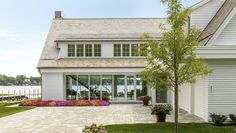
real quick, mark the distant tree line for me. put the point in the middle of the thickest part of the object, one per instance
(19, 80)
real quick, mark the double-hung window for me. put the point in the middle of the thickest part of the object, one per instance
(88, 50)
(71, 50)
(80, 50)
(134, 50)
(97, 50)
(125, 50)
(117, 50)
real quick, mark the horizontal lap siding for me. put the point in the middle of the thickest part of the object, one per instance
(201, 16)
(222, 87)
(227, 37)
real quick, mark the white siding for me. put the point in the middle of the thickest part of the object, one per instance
(199, 97)
(106, 49)
(227, 36)
(222, 87)
(201, 16)
(193, 97)
(52, 86)
(184, 97)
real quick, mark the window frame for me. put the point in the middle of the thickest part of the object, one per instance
(88, 50)
(126, 50)
(97, 51)
(117, 52)
(77, 52)
(71, 52)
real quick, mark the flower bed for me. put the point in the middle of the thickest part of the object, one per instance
(65, 103)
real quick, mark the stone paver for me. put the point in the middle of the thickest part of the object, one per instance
(73, 119)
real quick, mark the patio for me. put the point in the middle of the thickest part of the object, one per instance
(73, 119)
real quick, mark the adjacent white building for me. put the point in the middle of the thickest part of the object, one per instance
(99, 59)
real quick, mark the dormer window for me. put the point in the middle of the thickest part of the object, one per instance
(71, 50)
(88, 50)
(80, 50)
(97, 50)
(84, 50)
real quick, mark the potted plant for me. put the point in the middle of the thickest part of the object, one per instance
(160, 110)
(145, 100)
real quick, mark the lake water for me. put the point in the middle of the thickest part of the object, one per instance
(29, 91)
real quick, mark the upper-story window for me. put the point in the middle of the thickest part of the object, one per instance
(117, 50)
(126, 50)
(88, 50)
(71, 50)
(84, 50)
(97, 49)
(134, 50)
(80, 50)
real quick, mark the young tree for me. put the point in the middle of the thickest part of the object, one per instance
(174, 57)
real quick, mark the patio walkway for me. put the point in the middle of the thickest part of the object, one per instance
(73, 119)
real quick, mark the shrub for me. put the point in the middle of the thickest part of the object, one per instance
(218, 119)
(94, 129)
(233, 118)
(65, 103)
(161, 109)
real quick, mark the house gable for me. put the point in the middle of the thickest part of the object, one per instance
(204, 11)
(225, 35)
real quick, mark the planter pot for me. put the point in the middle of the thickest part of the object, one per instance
(161, 118)
(145, 102)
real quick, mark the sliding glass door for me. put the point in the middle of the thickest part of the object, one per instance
(105, 87)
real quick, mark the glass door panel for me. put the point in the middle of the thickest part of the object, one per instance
(119, 87)
(106, 87)
(83, 87)
(130, 87)
(94, 87)
(71, 87)
(141, 87)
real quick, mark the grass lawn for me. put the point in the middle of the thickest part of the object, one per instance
(169, 128)
(5, 94)
(5, 111)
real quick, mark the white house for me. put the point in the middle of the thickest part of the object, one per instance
(98, 59)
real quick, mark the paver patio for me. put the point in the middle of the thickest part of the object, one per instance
(73, 119)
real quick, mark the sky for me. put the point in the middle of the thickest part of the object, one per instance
(24, 25)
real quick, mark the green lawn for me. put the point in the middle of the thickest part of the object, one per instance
(5, 111)
(5, 94)
(168, 128)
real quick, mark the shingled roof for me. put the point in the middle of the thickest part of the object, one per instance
(96, 29)
(216, 21)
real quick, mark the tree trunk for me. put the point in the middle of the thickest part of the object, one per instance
(176, 107)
